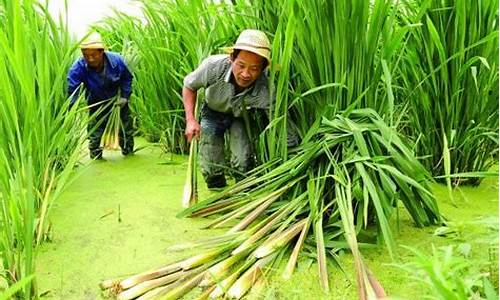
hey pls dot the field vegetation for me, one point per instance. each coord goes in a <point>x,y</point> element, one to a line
<point>387,97</point>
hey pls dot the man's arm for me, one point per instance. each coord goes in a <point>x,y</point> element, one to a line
<point>199,78</point>
<point>126,82</point>
<point>75,79</point>
<point>189,101</point>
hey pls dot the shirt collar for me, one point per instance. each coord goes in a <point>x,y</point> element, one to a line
<point>258,84</point>
<point>111,60</point>
<point>227,77</point>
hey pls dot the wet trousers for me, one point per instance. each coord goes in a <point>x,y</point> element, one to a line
<point>214,126</point>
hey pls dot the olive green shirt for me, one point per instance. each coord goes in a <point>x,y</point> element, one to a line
<point>214,74</point>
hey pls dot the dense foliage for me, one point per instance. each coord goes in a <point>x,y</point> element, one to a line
<point>367,85</point>
<point>40,137</point>
<point>429,68</point>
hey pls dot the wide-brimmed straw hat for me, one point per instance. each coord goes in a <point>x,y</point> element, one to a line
<point>93,41</point>
<point>254,41</point>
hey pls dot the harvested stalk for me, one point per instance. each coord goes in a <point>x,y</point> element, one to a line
<point>250,242</point>
<point>321,254</point>
<point>182,289</point>
<point>143,287</point>
<point>236,213</point>
<point>205,295</point>
<point>153,285</point>
<point>217,272</point>
<point>216,208</point>
<point>148,275</point>
<point>159,291</point>
<point>212,241</point>
<point>190,196</point>
<point>296,250</point>
<point>109,283</point>
<point>254,214</point>
<point>202,258</point>
<point>277,242</point>
<point>224,285</point>
<point>249,278</point>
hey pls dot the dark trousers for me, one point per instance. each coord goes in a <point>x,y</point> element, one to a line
<point>214,125</point>
<point>99,116</point>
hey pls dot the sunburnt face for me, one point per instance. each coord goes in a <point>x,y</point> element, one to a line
<point>94,57</point>
<point>247,67</point>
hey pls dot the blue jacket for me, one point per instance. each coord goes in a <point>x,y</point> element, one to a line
<point>117,78</point>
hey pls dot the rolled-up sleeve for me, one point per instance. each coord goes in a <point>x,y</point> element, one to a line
<point>200,77</point>
<point>75,79</point>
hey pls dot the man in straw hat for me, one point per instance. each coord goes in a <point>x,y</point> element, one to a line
<point>103,75</point>
<point>233,84</point>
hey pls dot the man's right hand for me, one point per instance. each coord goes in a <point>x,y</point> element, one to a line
<point>192,130</point>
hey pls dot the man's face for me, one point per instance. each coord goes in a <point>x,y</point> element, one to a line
<point>94,57</point>
<point>247,67</point>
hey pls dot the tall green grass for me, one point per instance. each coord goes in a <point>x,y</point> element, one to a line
<point>170,42</point>
<point>41,138</point>
<point>429,68</point>
<point>415,62</point>
<point>448,79</point>
<point>329,56</point>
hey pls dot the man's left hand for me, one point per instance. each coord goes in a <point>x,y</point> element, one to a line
<point>122,102</point>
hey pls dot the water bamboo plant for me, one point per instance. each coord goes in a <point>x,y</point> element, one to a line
<point>41,135</point>
<point>370,56</point>
<point>449,79</point>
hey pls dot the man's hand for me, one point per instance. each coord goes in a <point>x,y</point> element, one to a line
<point>192,130</point>
<point>122,102</point>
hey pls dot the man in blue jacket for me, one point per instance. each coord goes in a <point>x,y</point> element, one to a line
<point>102,75</point>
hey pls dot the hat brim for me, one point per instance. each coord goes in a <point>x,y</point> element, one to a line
<point>92,46</point>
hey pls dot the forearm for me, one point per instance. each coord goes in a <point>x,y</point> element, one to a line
<point>189,101</point>
<point>126,86</point>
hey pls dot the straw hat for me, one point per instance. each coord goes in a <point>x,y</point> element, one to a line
<point>93,41</point>
<point>254,41</point>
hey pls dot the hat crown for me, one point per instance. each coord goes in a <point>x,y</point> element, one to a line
<point>93,41</point>
<point>253,38</point>
<point>254,41</point>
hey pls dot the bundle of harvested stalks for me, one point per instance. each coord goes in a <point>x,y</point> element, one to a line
<point>348,176</point>
<point>110,137</point>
